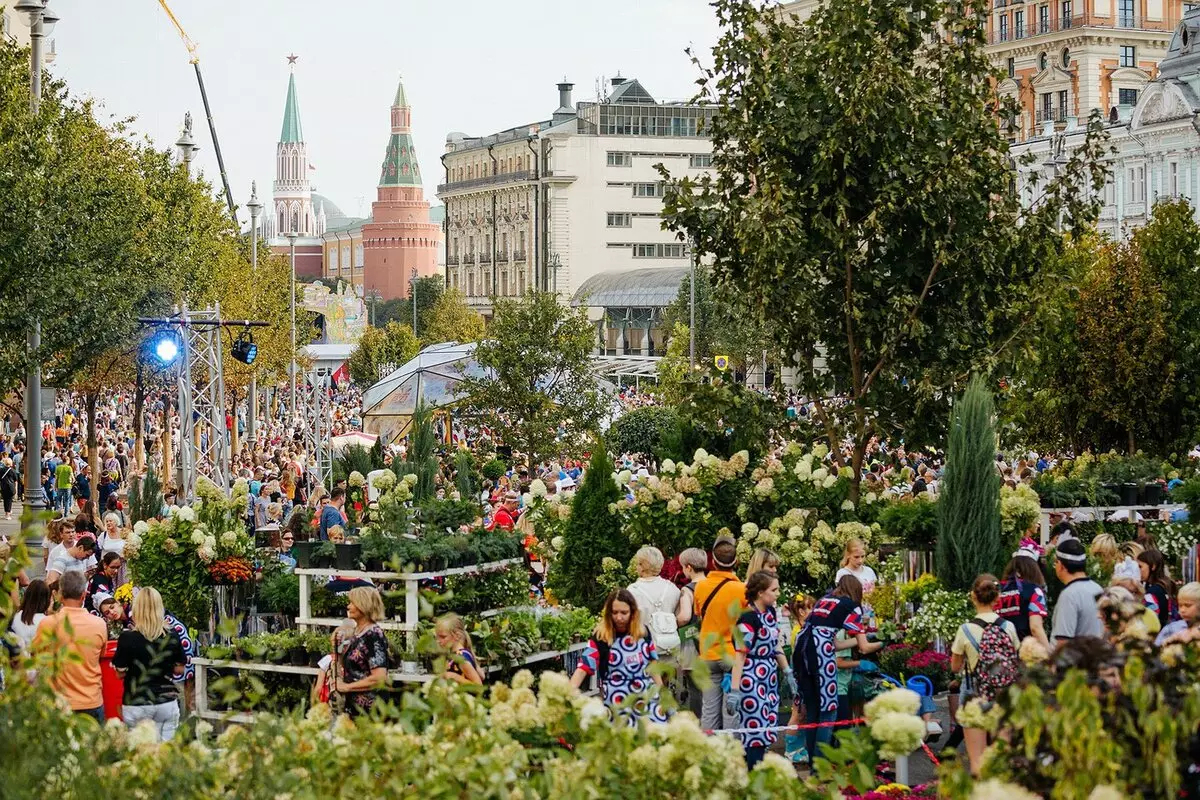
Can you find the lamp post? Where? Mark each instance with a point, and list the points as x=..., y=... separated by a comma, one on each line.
x=41, y=22
x=692, y=313
x=374, y=297
x=255, y=205
x=186, y=144
x=291, y=237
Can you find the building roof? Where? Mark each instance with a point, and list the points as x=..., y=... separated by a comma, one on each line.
x=401, y=98
x=292, y=132
x=400, y=166
x=629, y=90
x=653, y=287
x=334, y=216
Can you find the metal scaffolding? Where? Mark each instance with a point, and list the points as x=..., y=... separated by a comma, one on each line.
x=316, y=425
x=204, y=448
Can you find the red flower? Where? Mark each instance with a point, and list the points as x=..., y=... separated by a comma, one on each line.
x=358, y=506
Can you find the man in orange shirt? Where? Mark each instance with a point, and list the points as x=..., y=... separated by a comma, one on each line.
x=77, y=681
x=719, y=600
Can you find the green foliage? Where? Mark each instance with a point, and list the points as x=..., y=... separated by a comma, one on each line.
x=642, y=431
x=441, y=515
x=535, y=381
x=474, y=594
x=381, y=350
x=968, y=506
x=911, y=522
x=281, y=593
x=675, y=368
x=145, y=498
x=450, y=319
x=893, y=264
x=494, y=469
x=422, y=459
x=940, y=616
x=465, y=479
x=723, y=418
x=722, y=328
x=592, y=534
x=355, y=458
x=400, y=309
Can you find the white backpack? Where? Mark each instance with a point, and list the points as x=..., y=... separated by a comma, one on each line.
x=664, y=629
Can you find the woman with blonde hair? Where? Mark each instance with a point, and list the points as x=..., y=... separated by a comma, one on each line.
x=452, y=637
x=363, y=655
x=148, y=657
x=8, y=485
x=618, y=655
x=763, y=560
x=854, y=562
x=657, y=600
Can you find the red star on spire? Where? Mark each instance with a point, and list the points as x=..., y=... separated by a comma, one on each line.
x=292, y=58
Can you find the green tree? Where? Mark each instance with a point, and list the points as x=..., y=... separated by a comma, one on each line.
x=381, y=350
x=968, y=507
x=450, y=319
x=722, y=328
x=400, y=309
x=643, y=431
x=862, y=194
x=592, y=534
x=675, y=367
x=535, y=384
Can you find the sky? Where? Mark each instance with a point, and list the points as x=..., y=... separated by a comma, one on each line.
x=471, y=65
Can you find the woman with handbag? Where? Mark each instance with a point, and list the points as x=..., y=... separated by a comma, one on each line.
x=8, y=485
x=363, y=655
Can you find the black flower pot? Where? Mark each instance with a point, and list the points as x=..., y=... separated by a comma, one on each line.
x=298, y=656
x=1129, y=494
x=348, y=556
x=304, y=554
x=1154, y=494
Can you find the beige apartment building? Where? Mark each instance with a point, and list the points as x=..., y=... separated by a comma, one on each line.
x=1063, y=58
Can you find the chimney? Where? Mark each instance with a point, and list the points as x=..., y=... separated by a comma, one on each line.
x=566, y=109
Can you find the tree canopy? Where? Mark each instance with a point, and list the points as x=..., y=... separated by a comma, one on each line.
x=381, y=350
x=450, y=319
x=863, y=197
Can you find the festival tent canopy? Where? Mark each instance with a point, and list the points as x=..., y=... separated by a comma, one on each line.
x=430, y=380
x=353, y=438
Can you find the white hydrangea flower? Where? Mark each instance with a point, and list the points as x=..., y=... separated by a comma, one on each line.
x=197, y=537
x=206, y=554
x=538, y=488
x=143, y=734
x=410, y=479
x=829, y=481
x=229, y=539
x=356, y=480
x=897, y=734
x=593, y=710
x=186, y=513
x=557, y=543
x=749, y=529
x=819, y=474
x=870, y=498
x=700, y=456
x=668, y=466
x=996, y=789
x=895, y=701
x=1106, y=792
x=141, y=527
x=847, y=505
x=210, y=542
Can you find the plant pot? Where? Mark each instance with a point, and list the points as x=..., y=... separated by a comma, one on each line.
x=314, y=659
x=1154, y=493
x=304, y=554
x=348, y=556
x=374, y=565
x=298, y=656
x=240, y=654
x=410, y=667
x=1129, y=494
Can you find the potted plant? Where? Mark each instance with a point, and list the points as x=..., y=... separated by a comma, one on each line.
x=303, y=552
x=219, y=652
x=410, y=663
x=316, y=646
x=348, y=555
x=324, y=555
x=1153, y=493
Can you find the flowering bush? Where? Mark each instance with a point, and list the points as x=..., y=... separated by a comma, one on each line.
x=810, y=549
x=1019, y=509
x=903, y=661
x=231, y=570
x=894, y=724
x=940, y=615
x=1175, y=539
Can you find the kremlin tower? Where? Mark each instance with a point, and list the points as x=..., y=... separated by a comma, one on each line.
x=293, y=209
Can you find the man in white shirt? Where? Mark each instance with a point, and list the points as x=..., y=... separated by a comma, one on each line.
x=78, y=557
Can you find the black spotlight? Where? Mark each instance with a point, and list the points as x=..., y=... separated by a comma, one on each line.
x=244, y=348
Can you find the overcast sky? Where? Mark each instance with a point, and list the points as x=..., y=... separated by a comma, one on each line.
x=476, y=66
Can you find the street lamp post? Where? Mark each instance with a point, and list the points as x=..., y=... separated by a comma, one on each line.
x=186, y=144
x=692, y=313
x=291, y=237
x=255, y=205
x=41, y=22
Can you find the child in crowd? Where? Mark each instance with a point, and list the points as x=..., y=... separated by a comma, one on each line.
x=798, y=609
x=453, y=639
x=1187, y=627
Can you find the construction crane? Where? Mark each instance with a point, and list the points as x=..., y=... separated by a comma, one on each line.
x=212, y=129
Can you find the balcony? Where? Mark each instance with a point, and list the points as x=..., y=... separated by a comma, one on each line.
x=1050, y=115
x=487, y=181
x=502, y=258
x=1035, y=27
x=485, y=258
x=451, y=261
x=518, y=255
x=468, y=260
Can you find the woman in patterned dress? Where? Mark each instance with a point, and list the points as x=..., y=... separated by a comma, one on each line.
x=814, y=654
x=362, y=656
x=619, y=655
x=757, y=662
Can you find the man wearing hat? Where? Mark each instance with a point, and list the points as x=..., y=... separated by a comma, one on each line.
x=1075, y=614
x=718, y=601
x=505, y=517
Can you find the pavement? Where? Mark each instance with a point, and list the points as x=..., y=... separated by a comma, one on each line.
x=11, y=529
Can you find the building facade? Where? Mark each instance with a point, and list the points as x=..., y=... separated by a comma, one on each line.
x=295, y=208
x=552, y=203
x=1064, y=58
x=1156, y=143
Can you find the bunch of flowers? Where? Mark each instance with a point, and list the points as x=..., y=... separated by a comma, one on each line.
x=1176, y=539
x=234, y=569
x=916, y=590
x=808, y=480
x=810, y=549
x=893, y=722
x=976, y=715
x=1019, y=509
x=895, y=791
x=939, y=617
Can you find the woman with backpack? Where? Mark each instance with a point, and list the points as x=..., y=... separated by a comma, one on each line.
x=757, y=663
x=814, y=656
x=1160, y=589
x=1023, y=594
x=619, y=655
x=985, y=651
x=657, y=599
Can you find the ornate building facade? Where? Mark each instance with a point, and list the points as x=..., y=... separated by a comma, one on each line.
x=295, y=209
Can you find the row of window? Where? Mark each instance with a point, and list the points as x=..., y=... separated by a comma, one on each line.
x=624, y=219
x=513, y=287
x=486, y=241
x=1126, y=57
x=344, y=258
x=1135, y=184
x=659, y=251
x=1127, y=17
x=625, y=159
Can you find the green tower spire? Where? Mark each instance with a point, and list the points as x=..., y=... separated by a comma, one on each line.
x=292, y=133
x=400, y=167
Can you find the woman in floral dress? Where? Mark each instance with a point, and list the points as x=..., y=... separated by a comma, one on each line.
x=363, y=655
x=756, y=666
x=619, y=654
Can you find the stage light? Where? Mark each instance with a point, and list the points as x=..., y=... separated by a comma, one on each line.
x=244, y=349
x=164, y=345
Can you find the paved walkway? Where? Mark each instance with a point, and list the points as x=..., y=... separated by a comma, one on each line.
x=11, y=529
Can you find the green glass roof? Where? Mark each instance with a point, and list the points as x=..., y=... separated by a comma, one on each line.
x=291, y=115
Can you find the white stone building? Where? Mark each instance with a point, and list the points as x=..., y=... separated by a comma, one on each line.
x=557, y=202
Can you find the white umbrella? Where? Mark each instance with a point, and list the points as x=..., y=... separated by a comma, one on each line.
x=354, y=437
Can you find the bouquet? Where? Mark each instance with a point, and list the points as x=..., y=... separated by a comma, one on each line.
x=231, y=570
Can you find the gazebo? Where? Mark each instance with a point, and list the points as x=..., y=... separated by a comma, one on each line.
x=430, y=380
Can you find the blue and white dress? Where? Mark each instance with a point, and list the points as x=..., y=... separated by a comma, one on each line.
x=621, y=671
x=814, y=653
x=759, y=707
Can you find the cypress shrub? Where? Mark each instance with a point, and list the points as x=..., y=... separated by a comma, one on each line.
x=969, y=541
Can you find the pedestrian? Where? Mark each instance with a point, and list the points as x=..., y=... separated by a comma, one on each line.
x=72, y=630
x=331, y=514
x=619, y=656
x=148, y=658
x=1075, y=613
x=455, y=642
x=757, y=665
x=657, y=599
x=719, y=601
x=1187, y=627
x=1023, y=594
x=8, y=485
x=75, y=557
x=693, y=563
x=35, y=605
x=363, y=655
x=814, y=656
x=1160, y=589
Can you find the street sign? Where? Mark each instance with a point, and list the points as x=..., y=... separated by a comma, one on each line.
x=722, y=362
x=47, y=411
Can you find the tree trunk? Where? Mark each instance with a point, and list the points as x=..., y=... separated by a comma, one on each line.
x=856, y=463
x=139, y=425
x=1132, y=449
x=93, y=444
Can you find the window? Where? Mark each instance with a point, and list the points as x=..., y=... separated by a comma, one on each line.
x=700, y=160
x=1127, y=97
x=1043, y=19
x=1043, y=62
x=1128, y=55
x=647, y=190
x=620, y=159
x=1004, y=27
x=1110, y=190
x=658, y=251
x=346, y=255
x=521, y=242
x=620, y=220
x=1064, y=15
x=1173, y=178
x=1019, y=24
x=333, y=259
x=1047, y=106
x=1136, y=179
x=1062, y=105
x=358, y=255
x=1066, y=58
x=1125, y=14
x=1012, y=68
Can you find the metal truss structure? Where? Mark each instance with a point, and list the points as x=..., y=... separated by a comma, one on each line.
x=204, y=448
x=316, y=423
